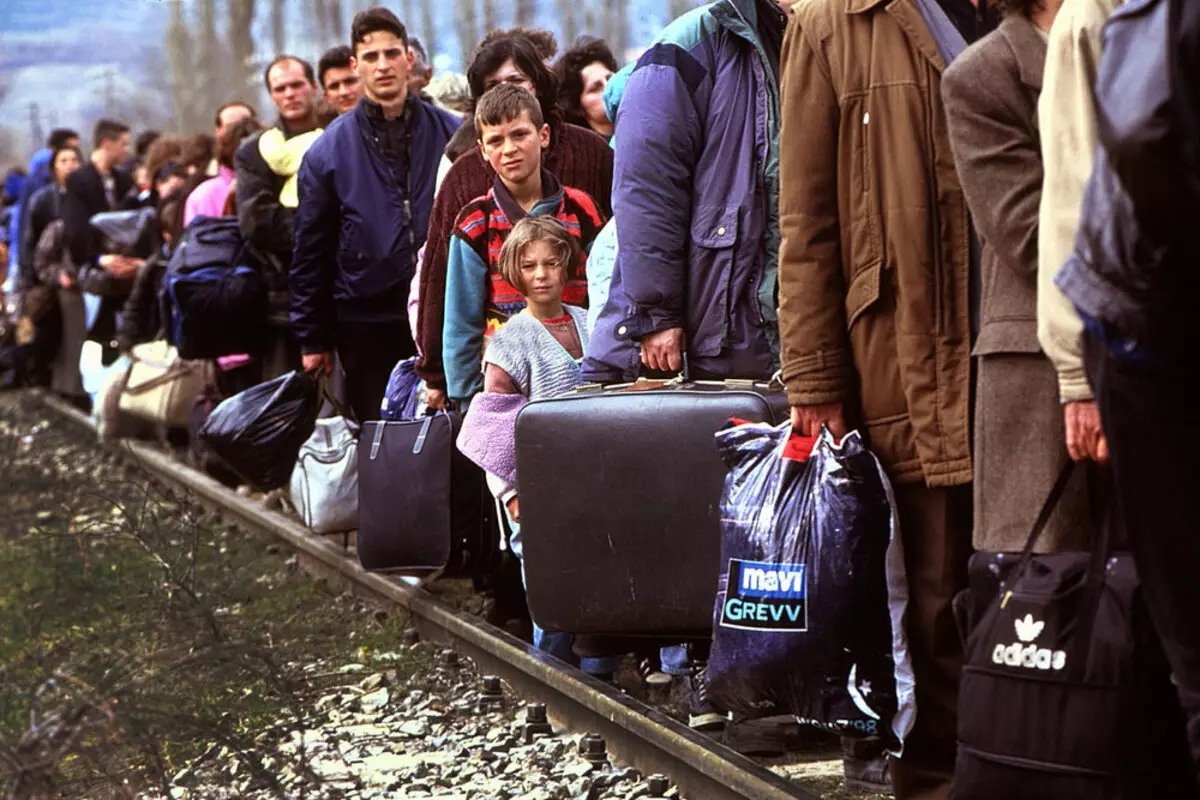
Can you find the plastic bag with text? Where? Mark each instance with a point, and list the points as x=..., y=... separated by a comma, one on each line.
x=811, y=599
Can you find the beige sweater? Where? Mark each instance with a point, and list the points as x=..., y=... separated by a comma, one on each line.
x=1067, y=123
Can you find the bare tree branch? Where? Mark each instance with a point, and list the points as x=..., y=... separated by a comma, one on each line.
x=279, y=26
x=241, y=45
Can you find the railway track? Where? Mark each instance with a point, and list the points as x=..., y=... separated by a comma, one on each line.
x=636, y=733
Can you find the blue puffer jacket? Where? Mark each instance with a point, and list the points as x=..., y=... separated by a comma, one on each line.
x=352, y=229
x=696, y=199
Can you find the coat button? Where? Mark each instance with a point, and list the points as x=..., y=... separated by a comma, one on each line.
x=720, y=231
x=621, y=331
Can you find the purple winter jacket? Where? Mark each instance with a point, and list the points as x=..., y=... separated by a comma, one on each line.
x=695, y=200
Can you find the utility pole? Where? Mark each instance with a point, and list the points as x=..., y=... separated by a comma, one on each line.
x=35, y=125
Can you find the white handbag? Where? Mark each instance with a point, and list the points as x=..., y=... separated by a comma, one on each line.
x=324, y=485
x=162, y=387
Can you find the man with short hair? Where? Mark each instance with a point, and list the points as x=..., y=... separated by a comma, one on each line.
x=366, y=191
x=337, y=79
x=62, y=137
x=267, y=162
x=266, y=165
x=422, y=71
x=231, y=114
x=98, y=186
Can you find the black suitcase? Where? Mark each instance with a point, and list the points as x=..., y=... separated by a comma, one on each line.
x=420, y=501
x=620, y=492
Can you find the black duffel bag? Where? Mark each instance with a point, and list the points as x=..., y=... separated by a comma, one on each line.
x=1065, y=693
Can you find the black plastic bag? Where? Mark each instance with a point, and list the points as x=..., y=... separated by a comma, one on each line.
x=135, y=232
x=811, y=596
x=259, y=432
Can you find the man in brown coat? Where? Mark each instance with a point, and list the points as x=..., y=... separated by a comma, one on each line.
x=875, y=300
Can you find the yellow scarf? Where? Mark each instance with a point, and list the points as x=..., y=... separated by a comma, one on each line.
x=283, y=156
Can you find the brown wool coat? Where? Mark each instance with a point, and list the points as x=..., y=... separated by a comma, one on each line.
x=991, y=96
x=873, y=273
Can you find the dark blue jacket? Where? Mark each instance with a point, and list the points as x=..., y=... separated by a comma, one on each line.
x=353, y=248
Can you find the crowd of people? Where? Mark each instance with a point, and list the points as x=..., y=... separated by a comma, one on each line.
x=920, y=215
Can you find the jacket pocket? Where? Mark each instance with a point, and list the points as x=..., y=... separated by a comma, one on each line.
x=871, y=323
x=714, y=236
x=863, y=292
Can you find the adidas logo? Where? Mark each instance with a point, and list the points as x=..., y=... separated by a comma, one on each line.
x=1024, y=653
x=1029, y=629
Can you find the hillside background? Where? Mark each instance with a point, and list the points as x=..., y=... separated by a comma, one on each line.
x=168, y=64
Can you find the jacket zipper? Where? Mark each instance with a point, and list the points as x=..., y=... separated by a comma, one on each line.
x=935, y=209
x=405, y=198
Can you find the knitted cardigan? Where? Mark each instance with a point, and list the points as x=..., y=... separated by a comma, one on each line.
x=541, y=368
x=577, y=157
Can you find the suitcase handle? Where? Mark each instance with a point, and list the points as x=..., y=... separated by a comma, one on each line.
x=376, y=441
x=419, y=444
x=775, y=383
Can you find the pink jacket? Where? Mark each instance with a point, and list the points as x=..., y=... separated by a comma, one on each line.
x=208, y=199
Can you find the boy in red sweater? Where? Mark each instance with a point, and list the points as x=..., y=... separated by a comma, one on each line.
x=512, y=135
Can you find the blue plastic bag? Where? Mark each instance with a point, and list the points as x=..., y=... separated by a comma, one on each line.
x=810, y=602
x=402, y=398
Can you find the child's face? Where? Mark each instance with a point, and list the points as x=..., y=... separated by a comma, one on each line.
x=514, y=149
x=544, y=274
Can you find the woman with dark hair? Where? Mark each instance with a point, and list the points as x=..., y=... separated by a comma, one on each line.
x=517, y=56
x=577, y=157
x=583, y=72
x=45, y=204
x=42, y=241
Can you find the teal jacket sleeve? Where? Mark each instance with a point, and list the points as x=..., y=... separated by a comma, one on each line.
x=465, y=321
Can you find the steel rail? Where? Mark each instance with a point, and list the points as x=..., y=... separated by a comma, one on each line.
x=636, y=734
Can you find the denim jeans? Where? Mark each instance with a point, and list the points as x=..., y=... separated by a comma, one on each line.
x=558, y=643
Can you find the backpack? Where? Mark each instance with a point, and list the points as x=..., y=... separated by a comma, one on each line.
x=214, y=296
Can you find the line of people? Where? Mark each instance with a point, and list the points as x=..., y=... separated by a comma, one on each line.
x=873, y=200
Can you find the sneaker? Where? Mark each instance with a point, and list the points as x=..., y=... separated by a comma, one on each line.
x=648, y=670
x=702, y=714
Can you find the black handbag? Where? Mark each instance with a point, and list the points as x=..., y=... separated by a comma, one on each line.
x=420, y=501
x=1065, y=693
